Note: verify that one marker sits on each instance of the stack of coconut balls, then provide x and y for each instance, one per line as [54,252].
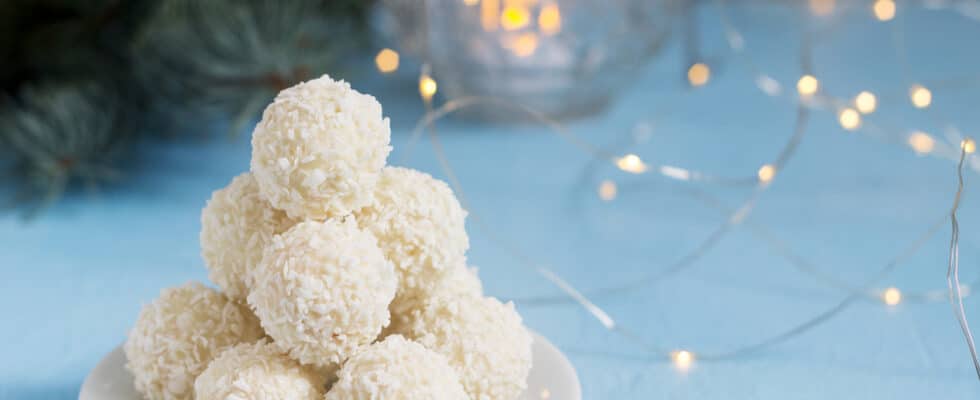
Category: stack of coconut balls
[340,277]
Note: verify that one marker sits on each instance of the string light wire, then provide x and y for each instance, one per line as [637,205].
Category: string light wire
[953,272]
[736,216]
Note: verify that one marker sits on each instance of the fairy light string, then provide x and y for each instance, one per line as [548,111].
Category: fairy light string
[849,112]
[953,272]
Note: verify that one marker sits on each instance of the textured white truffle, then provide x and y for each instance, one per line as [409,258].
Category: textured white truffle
[397,368]
[257,371]
[322,291]
[179,333]
[318,149]
[484,341]
[460,282]
[420,227]
[236,224]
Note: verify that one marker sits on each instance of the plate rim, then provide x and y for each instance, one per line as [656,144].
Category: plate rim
[537,339]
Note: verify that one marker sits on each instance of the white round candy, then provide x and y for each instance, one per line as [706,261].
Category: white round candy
[484,341]
[397,368]
[318,149]
[420,226]
[179,333]
[322,291]
[236,225]
[257,371]
[460,282]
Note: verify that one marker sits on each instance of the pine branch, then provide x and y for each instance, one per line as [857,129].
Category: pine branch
[221,57]
[60,133]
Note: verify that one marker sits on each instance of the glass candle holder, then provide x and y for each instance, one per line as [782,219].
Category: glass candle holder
[562,58]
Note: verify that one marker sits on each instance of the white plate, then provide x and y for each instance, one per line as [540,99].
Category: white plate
[552,377]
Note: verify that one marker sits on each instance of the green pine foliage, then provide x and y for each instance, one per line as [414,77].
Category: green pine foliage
[86,79]
[63,133]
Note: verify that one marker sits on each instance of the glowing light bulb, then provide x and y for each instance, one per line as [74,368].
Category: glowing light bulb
[849,119]
[921,97]
[514,17]
[549,20]
[891,296]
[807,85]
[631,163]
[427,87]
[822,7]
[921,142]
[522,45]
[490,14]
[387,61]
[866,102]
[607,190]
[968,145]
[766,173]
[698,74]
[682,359]
[884,9]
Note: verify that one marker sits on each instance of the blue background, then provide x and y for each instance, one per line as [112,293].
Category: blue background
[75,278]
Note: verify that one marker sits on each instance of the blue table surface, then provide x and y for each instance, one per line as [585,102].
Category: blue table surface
[75,278]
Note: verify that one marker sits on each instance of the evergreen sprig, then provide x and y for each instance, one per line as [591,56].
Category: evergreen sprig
[60,133]
[87,79]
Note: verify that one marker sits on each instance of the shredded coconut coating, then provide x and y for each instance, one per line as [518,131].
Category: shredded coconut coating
[484,341]
[236,224]
[420,226]
[461,282]
[322,291]
[397,368]
[318,149]
[179,333]
[257,371]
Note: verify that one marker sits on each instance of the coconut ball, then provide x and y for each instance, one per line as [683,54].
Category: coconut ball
[420,226]
[462,281]
[318,149]
[177,335]
[236,224]
[322,291]
[484,341]
[258,371]
[397,368]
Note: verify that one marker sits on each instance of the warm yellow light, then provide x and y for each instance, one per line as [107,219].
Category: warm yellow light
[822,7]
[807,85]
[892,296]
[682,359]
[884,9]
[545,394]
[522,45]
[866,102]
[698,74]
[631,163]
[489,14]
[427,87]
[921,97]
[766,173]
[514,17]
[849,119]
[471,2]
[921,142]
[968,145]
[387,61]
[549,20]
[607,190]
